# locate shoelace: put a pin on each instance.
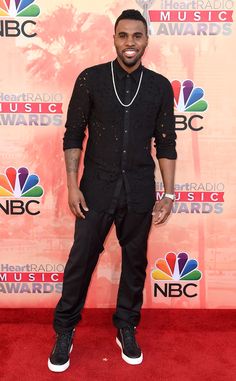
(63, 342)
(129, 338)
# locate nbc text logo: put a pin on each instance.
(19, 183)
(18, 8)
(188, 99)
(171, 271)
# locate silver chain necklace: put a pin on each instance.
(114, 86)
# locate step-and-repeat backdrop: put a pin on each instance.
(44, 46)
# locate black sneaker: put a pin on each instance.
(130, 351)
(59, 359)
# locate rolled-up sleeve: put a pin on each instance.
(165, 136)
(78, 113)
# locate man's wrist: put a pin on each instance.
(72, 186)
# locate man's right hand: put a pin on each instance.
(77, 202)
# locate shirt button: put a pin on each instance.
(123, 170)
(127, 75)
(126, 131)
(124, 151)
(126, 111)
(127, 91)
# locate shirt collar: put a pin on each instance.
(121, 73)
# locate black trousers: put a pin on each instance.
(132, 231)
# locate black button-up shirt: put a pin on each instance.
(119, 138)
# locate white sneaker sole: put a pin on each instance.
(59, 368)
(131, 361)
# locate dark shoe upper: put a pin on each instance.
(126, 336)
(61, 350)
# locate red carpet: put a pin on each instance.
(178, 345)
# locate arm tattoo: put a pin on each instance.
(72, 160)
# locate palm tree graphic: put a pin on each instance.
(67, 42)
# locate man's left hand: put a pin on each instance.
(162, 210)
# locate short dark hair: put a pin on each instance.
(131, 14)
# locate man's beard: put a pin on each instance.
(130, 63)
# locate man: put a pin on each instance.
(124, 106)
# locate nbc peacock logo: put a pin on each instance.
(188, 98)
(19, 184)
(19, 8)
(172, 269)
